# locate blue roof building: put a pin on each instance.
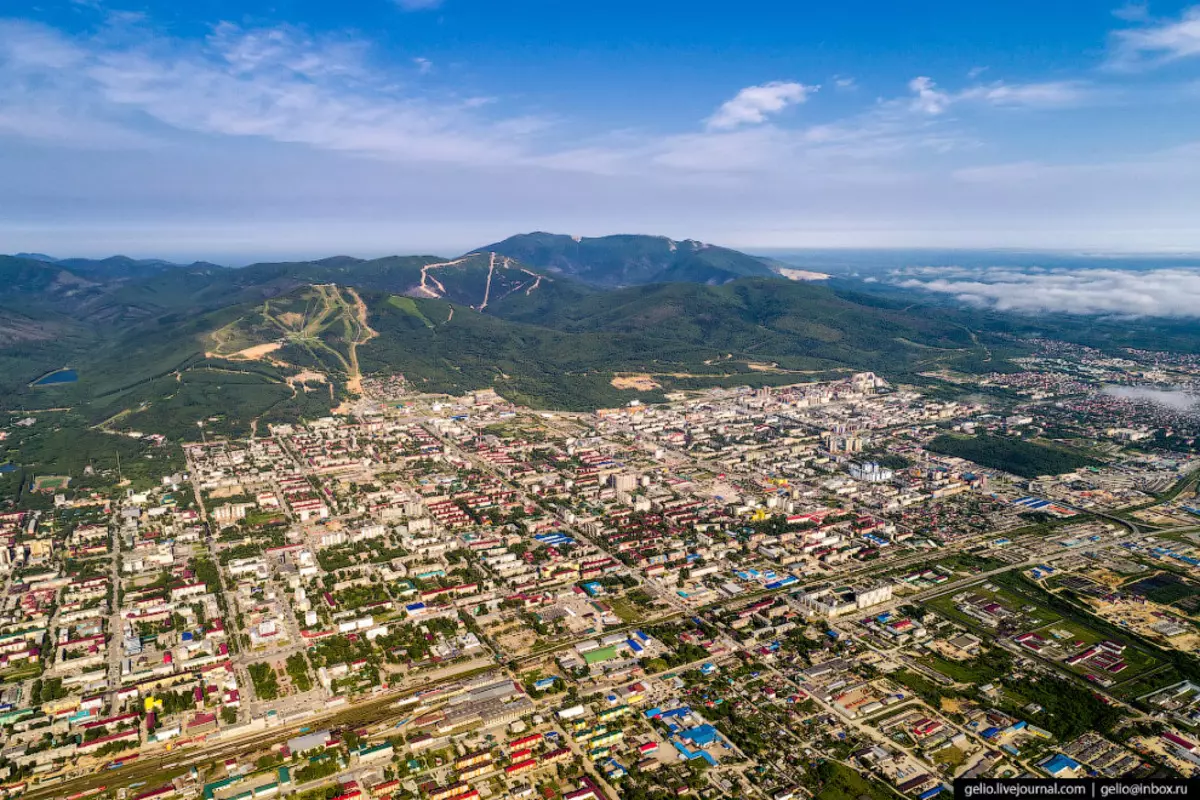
(701, 736)
(682, 711)
(690, 754)
(1059, 765)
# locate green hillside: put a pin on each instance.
(566, 354)
(160, 348)
(798, 325)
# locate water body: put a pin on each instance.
(57, 377)
(1176, 399)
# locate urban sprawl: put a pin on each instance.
(789, 592)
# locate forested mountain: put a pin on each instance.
(158, 347)
(628, 260)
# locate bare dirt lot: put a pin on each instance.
(951, 705)
(515, 639)
(947, 650)
(258, 351)
(1141, 618)
(641, 383)
(308, 376)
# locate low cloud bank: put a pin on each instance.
(1175, 399)
(1173, 292)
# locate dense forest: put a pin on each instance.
(1017, 456)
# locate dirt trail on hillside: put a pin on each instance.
(366, 334)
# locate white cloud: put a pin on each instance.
(275, 83)
(859, 148)
(26, 48)
(1051, 94)
(929, 99)
(283, 85)
(31, 107)
(1132, 12)
(280, 125)
(1174, 399)
(1158, 42)
(844, 82)
(418, 5)
(754, 104)
(745, 149)
(1109, 292)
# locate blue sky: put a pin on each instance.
(241, 130)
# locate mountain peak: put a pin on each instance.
(339, 261)
(631, 259)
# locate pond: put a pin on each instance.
(57, 377)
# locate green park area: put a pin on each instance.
(1017, 456)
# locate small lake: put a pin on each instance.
(57, 377)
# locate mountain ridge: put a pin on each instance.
(631, 259)
(610, 261)
(159, 346)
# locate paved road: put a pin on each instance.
(116, 626)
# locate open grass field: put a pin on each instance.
(976, 671)
(49, 483)
(1142, 659)
(839, 782)
(625, 608)
(1031, 615)
(950, 756)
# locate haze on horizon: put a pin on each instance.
(235, 131)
